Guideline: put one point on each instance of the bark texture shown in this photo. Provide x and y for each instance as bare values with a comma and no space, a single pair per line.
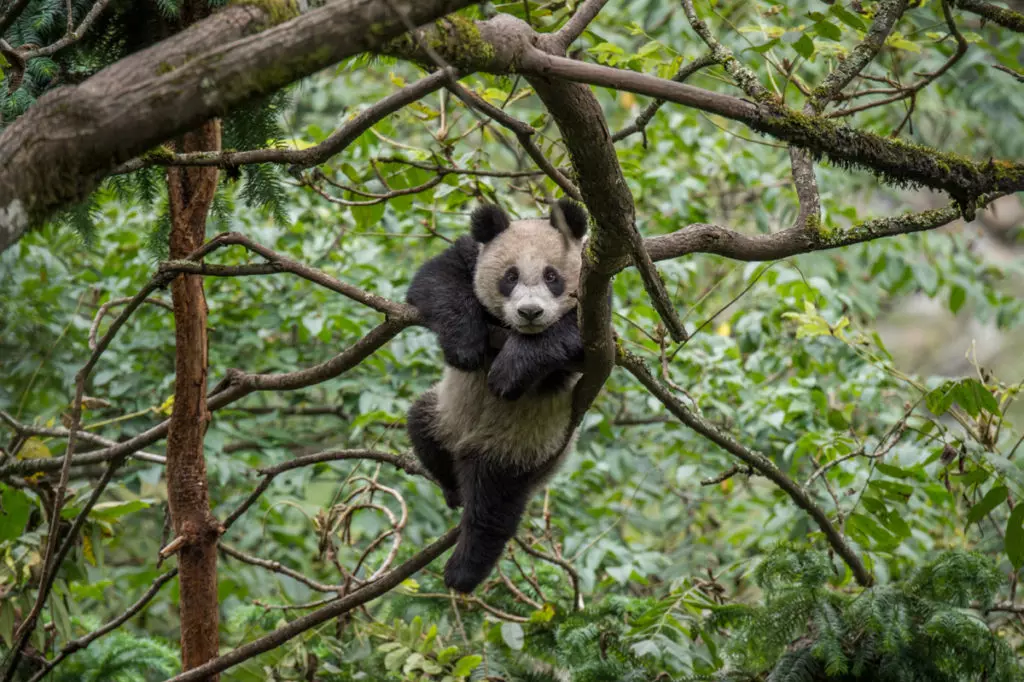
191,192
57,152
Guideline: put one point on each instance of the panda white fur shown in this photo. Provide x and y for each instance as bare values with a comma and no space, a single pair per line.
495,427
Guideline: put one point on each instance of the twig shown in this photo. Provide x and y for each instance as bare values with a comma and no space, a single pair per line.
281,263
278,567
335,143
336,608
84,641
1005,69
751,458
727,474
645,116
72,36
913,89
574,577
105,308
575,27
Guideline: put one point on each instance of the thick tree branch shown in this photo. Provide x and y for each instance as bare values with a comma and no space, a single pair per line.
507,44
167,89
751,458
714,239
994,13
356,598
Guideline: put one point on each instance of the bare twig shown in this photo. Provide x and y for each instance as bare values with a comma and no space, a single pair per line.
84,641
105,308
335,143
1005,69
914,88
574,577
278,567
645,116
72,36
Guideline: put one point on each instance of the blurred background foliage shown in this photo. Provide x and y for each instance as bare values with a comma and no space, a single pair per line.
882,377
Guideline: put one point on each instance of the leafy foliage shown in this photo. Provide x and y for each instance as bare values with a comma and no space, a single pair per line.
882,378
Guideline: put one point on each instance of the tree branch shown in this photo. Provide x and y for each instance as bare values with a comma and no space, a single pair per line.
575,27
171,88
356,598
73,35
994,13
751,458
84,641
335,143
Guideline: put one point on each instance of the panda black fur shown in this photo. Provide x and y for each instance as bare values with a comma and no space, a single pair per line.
495,427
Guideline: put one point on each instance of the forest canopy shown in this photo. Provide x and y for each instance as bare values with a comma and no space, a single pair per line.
799,432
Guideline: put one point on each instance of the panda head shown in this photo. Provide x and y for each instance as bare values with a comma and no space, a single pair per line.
528,271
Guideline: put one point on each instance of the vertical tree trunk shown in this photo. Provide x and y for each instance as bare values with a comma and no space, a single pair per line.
196,530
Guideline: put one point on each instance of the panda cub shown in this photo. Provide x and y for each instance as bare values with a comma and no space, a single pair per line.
495,427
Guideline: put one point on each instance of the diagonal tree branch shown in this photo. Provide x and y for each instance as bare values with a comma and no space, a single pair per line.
1007,18
356,598
335,143
751,458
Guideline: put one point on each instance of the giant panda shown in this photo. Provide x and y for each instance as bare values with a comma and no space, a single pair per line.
496,426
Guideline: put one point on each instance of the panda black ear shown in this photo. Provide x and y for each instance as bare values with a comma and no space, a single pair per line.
487,222
575,217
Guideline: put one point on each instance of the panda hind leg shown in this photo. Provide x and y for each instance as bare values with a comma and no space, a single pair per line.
432,454
494,500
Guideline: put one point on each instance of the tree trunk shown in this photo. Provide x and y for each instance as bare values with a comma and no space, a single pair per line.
191,192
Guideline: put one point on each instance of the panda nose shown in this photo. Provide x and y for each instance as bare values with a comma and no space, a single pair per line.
529,311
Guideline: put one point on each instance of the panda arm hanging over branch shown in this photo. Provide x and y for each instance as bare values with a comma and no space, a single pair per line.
494,428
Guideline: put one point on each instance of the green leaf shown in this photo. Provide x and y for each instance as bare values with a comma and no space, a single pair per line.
512,633
995,497
1015,537
7,621
395,660
111,511
466,665
828,30
15,507
940,399
804,46
957,296
847,17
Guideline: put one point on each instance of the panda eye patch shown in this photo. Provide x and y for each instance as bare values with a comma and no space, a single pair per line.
554,281
508,281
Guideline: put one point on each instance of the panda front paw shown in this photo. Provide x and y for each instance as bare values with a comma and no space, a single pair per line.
462,574
503,382
465,357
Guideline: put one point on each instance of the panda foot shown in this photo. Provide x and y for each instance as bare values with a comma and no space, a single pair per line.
461,577
452,497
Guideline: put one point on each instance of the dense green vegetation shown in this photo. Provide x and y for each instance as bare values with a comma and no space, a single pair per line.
654,554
